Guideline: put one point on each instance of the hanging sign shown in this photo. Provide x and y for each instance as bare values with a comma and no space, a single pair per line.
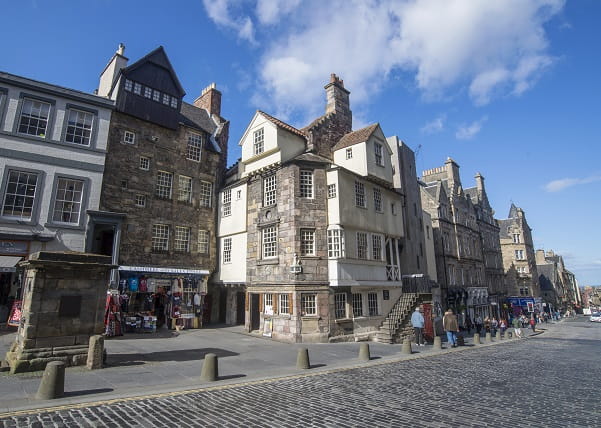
14,318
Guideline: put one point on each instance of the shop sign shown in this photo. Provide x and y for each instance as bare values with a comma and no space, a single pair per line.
14,318
14,247
267,327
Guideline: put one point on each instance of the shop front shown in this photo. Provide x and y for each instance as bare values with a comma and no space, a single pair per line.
11,253
148,299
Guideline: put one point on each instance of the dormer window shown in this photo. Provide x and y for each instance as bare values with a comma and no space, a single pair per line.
156,96
147,92
137,88
128,85
173,102
166,99
349,153
378,154
258,140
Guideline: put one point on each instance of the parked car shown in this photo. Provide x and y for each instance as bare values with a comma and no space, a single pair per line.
596,317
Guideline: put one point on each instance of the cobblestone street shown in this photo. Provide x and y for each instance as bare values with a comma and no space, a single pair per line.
545,381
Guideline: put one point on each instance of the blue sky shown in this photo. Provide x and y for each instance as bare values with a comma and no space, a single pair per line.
509,89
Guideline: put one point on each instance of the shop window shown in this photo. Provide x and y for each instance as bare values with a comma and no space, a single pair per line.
340,305
268,305
308,304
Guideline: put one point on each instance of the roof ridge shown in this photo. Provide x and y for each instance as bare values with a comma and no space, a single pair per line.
282,124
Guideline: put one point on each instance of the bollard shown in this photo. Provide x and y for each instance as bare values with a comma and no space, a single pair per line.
437,343
476,338
364,352
406,349
488,337
508,335
498,336
53,381
302,359
210,369
96,353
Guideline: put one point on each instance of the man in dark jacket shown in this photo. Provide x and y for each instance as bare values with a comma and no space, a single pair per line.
451,326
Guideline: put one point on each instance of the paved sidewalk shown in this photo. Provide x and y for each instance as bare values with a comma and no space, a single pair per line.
147,364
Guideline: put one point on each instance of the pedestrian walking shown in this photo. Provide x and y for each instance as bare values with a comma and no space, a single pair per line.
503,325
451,327
478,322
494,324
417,321
516,327
487,325
533,323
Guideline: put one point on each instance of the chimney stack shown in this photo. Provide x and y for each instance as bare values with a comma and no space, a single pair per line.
210,100
337,102
110,73
452,174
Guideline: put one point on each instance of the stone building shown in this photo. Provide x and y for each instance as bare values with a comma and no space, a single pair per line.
53,143
519,259
458,243
322,241
559,286
165,160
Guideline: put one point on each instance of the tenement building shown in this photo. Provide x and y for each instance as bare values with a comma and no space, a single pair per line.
311,230
559,287
519,259
53,143
460,258
157,210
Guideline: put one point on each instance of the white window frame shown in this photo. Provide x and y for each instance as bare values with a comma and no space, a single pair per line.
269,243
258,141
516,238
307,244
147,92
156,95
268,303
182,239
331,191
160,237
227,250
283,304
140,201
205,195
373,308
144,163
378,199
79,128
24,195
166,98
194,148
357,305
129,84
129,137
137,88
306,184
270,186
203,241
34,117
184,189
362,246
227,202
336,247
308,304
360,194
340,305
164,185
68,202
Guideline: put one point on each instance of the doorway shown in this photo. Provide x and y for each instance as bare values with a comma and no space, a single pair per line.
240,310
255,319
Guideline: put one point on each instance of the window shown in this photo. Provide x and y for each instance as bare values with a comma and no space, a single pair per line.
79,127
137,88
128,85
20,194
144,163
203,241
335,243
428,232
227,202
124,184
238,194
378,154
160,237
258,140
340,305
308,306
34,117
268,303
67,202
360,194
166,99
377,199
140,201
184,193
182,239
270,243
357,305
147,92
362,245
156,95
206,193
376,247
349,153
227,250
129,137
173,102
516,238
269,190
519,254
306,184
331,190
307,242
393,208
194,147
164,184
372,303
284,304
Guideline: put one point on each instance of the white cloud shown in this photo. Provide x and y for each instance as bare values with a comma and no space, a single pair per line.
490,48
220,12
564,183
434,126
467,132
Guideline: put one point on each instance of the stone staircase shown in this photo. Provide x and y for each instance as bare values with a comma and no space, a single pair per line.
397,324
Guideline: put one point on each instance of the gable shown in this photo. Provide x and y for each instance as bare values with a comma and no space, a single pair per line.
155,70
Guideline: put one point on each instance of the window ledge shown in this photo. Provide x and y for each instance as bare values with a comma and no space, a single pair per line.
64,226
274,261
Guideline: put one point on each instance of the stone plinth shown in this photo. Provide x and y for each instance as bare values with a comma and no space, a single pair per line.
64,296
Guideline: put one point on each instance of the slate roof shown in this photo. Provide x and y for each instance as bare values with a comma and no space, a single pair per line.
503,224
198,118
472,192
513,211
311,157
283,125
159,57
356,137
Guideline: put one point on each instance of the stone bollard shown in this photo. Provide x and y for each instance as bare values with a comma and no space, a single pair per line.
488,337
210,369
302,359
476,338
406,349
53,381
95,352
437,343
498,336
364,352
508,335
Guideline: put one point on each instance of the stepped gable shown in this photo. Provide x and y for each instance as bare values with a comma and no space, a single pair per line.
356,137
